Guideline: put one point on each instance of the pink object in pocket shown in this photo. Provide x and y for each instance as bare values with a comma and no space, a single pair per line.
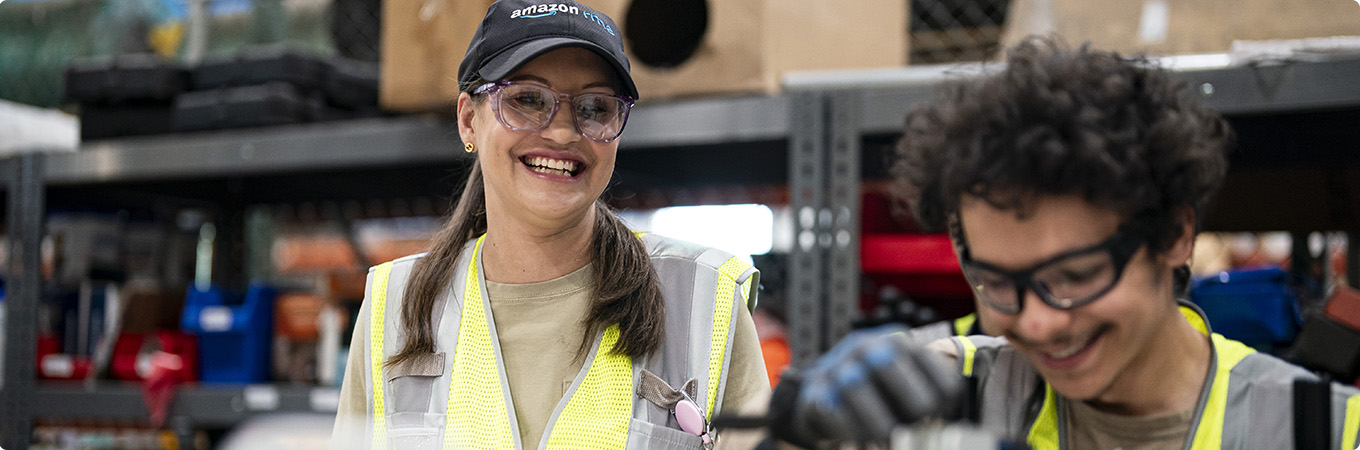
691,419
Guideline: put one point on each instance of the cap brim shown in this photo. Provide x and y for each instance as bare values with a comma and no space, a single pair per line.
501,65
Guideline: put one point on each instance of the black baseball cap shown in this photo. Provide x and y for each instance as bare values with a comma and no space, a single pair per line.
517,31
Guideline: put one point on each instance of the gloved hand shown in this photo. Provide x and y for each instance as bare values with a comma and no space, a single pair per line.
865,386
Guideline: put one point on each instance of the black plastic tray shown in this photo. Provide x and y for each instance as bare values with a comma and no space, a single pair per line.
352,84
112,80
260,65
130,119
247,106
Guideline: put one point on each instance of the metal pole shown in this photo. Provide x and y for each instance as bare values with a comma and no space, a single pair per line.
844,207
1301,260
25,219
807,177
1353,258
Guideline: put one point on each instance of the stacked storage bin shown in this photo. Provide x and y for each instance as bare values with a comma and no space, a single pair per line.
274,86
125,95
234,334
271,85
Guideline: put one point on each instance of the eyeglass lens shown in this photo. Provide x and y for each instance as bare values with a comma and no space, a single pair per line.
1064,283
529,107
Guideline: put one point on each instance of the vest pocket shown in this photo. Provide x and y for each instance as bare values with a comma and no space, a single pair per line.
411,382
415,437
409,422
410,393
660,437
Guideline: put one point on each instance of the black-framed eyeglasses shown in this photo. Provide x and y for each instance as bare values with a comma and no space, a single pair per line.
1071,279
531,107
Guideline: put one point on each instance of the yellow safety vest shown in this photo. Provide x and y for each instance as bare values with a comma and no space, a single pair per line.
601,405
1245,405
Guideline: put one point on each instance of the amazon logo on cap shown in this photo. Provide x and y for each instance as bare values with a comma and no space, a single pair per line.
536,11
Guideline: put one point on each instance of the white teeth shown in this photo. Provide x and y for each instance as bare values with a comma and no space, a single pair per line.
549,171
1068,352
549,165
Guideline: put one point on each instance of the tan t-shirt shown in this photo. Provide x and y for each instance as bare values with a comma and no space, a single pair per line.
1093,429
540,329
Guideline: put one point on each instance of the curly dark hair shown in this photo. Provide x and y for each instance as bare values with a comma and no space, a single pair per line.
1121,133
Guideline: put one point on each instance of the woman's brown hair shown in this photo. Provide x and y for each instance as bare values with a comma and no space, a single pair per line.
627,291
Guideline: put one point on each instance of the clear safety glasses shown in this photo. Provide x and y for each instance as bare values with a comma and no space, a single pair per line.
1066,281
531,107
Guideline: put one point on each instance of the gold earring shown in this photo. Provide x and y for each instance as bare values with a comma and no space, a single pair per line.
470,148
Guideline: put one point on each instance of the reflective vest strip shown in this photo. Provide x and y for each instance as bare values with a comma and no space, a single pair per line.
597,415
1195,320
477,416
963,324
746,292
1352,427
1044,434
377,315
1209,435
969,353
722,323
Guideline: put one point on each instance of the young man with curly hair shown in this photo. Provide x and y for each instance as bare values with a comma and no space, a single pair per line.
1073,182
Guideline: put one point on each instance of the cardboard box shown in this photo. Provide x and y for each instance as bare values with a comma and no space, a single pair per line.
748,44
1160,27
422,43
745,46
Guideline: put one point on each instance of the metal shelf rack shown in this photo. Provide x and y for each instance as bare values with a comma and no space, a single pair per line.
215,406
1297,157
815,136
237,162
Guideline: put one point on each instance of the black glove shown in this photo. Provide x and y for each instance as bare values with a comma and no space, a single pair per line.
865,386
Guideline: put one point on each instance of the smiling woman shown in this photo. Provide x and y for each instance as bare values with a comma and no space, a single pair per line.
535,311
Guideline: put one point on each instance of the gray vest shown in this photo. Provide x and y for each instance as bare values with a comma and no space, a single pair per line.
692,279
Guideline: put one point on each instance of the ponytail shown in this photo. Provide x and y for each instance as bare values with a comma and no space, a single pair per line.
627,291
431,274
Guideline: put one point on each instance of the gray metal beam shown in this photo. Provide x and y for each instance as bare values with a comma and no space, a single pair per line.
312,147
202,406
1353,258
807,194
884,111
387,142
843,206
707,122
25,218
1278,87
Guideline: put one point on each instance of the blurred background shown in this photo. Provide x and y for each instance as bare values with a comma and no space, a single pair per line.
194,189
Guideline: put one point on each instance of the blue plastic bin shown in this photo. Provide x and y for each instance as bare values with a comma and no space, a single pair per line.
234,335
1255,306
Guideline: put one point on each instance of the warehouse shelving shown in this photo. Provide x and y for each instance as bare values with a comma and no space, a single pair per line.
1297,157
369,143
821,137
369,158
217,406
